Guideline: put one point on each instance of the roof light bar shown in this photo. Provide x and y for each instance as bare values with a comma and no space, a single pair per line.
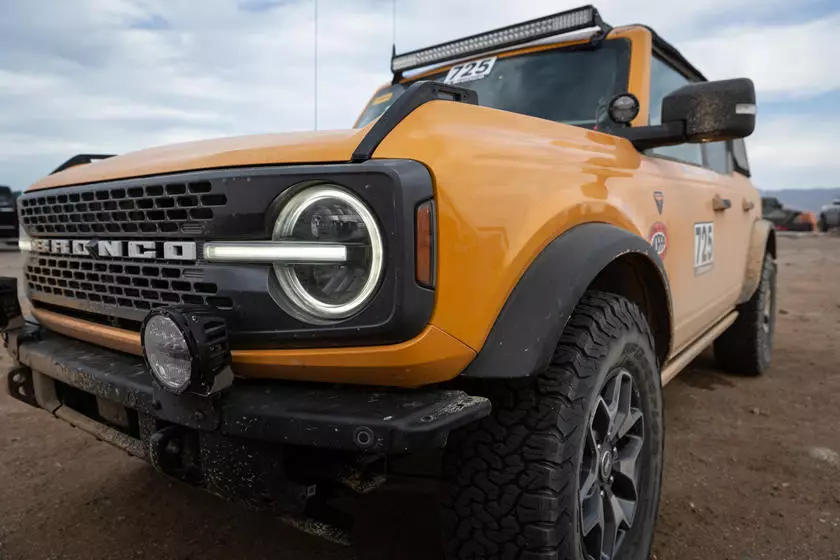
289,252
533,30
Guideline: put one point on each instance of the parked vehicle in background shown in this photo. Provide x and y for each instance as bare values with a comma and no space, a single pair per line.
786,218
830,215
486,282
8,217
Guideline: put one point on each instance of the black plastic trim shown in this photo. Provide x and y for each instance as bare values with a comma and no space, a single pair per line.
317,415
739,157
80,159
529,326
647,137
672,55
414,96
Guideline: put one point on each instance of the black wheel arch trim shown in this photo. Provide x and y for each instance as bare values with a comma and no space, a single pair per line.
526,331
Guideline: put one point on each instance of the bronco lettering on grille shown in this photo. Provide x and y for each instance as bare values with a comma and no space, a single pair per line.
167,250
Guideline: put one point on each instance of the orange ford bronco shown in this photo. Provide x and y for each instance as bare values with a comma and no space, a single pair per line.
488,281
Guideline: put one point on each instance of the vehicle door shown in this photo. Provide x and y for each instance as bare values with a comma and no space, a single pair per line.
736,204
699,260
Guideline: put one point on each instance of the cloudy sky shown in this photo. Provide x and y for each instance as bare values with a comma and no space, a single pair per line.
118,75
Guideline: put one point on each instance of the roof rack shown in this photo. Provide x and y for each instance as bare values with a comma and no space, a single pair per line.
585,17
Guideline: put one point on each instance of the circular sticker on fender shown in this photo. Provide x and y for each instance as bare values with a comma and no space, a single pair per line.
658,238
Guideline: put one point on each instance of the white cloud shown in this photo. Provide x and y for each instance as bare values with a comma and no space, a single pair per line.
792,60
795,152
119,75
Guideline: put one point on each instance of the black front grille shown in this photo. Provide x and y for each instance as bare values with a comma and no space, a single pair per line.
233,204
120,283
158,208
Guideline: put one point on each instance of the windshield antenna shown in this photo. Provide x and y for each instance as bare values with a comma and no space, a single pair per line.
394,24
316,66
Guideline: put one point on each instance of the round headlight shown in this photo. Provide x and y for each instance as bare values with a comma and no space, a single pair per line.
330,214
167,352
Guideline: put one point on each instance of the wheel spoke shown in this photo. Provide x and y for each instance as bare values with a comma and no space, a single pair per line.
593,526
601,421
592,514
631,419
621,396
616,523
609,468
625,469
628,510
589,486
613,517
613,394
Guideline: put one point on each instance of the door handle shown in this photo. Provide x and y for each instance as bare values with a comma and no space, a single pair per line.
720,204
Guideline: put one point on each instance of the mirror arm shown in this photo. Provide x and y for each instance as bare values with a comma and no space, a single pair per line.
646,137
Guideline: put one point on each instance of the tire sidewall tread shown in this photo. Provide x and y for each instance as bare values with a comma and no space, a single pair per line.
511,480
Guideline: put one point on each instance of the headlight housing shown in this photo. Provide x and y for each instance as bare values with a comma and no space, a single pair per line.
323,292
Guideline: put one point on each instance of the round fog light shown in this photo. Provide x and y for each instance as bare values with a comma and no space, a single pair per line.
187,347
168,353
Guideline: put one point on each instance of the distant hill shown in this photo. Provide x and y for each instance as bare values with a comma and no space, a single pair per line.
804,199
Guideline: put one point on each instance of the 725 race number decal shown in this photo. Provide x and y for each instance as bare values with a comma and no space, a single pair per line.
470,71
704,247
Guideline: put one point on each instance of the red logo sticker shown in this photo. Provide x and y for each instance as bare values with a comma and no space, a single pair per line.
658,238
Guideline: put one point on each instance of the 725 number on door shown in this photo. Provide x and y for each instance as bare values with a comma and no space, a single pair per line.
704,247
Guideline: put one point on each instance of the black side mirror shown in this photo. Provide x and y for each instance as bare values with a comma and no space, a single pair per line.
713,111
701,112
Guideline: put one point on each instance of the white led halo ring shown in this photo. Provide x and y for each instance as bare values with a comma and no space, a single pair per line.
289,282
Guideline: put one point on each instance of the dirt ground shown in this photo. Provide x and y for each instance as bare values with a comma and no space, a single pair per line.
751,467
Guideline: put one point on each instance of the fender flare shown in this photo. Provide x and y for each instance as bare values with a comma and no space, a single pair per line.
762,241
527,330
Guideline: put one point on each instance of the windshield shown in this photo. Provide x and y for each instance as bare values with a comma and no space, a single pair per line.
572,85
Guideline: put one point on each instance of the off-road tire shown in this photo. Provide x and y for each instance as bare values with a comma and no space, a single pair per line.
745,348
511,481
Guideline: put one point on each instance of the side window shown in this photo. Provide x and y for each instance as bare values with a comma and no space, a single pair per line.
739,153
664,80
718,157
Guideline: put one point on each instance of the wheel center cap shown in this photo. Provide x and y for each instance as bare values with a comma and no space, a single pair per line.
606,465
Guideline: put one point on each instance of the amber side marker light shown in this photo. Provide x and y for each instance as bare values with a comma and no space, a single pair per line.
424,250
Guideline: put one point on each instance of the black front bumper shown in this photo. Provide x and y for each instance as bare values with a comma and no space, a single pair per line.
316,415
252,421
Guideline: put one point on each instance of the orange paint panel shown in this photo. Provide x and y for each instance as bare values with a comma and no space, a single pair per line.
262,149
431,357
641,47
529,180
118,339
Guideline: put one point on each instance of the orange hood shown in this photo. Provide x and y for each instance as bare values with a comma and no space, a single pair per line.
260,149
